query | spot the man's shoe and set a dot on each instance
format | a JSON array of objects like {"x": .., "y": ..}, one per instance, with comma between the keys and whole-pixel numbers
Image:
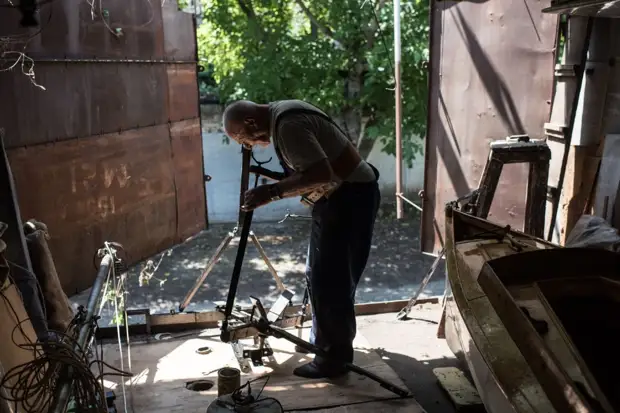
[
  {"x": 301, "y": 350},
  {"x": 313, "y": 370}
]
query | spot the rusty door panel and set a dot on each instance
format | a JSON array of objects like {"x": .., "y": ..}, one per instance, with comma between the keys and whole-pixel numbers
[
  {"x": 95, "y": 155},
  {"x": 182, "y": 92},
  {"x": 498, "y": 57},
  {"x": 112, "y": 187},
  {"x": 8, "y": 113},
  {"x": 88, "y": 99},
  {"x": 71, "y": 31},
  {"x": 188, "y": 175},
  {"x": 179, "y": 33}
]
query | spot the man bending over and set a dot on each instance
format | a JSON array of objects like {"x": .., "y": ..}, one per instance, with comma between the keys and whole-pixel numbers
[{"x": 320, "y": 162}]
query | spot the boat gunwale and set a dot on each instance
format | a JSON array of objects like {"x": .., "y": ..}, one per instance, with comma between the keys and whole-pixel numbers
[{"x": 463, "y": 307}]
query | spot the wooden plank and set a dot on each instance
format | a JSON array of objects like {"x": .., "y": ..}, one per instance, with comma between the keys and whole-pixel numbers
[
  {"x": 162, "y": 370},
  {"x": 167, "y": 323},
  {"x": 188, "y": 177},
  {"x": 608, "y": 178},
  {"x": 116, "y": 187},
  {"x": 461, "y": 392}
]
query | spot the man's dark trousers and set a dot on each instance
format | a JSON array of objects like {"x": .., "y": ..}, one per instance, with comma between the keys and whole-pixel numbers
[{"x": 340, "y": 241}]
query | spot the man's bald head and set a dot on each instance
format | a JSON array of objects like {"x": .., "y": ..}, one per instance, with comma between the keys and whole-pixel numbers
[
  {"x": 236, "y": 114},
  {"x": 247, "y": 122}
]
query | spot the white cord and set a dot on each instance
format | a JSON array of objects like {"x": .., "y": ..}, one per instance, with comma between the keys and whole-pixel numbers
[{"x": 118, "y": 327}]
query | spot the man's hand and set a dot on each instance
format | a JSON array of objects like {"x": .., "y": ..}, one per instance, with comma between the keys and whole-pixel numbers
[{"x": 257, "y": 197}]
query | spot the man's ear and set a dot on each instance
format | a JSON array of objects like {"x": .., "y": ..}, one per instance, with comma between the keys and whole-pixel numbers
[{"x": 250, "y": 121}]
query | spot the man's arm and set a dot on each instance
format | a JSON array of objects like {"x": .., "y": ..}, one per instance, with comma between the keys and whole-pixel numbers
[
  {"x": 316, "y": 176},
  {"x": 312, "y": 168},
  {"x": 274, "y": 176}
]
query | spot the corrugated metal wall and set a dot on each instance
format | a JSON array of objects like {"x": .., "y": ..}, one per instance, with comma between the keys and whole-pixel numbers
[
  {"x": 491, "y": 76},
  {"x": 112, "y": 149}
]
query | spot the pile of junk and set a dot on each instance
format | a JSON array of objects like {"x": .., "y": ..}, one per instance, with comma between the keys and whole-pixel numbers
[{"x": 47, "y": 363}]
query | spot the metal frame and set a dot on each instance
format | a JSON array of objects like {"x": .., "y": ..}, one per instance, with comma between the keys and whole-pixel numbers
[
  {"x": 245, "y": 181},
  {"x": 86, "y": 332}
]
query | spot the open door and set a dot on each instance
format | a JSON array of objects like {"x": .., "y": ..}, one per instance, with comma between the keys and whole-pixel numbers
[{"x": 492, "y": 74}]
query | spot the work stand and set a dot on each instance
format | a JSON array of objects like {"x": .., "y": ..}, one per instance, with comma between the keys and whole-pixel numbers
[
  {"x": 247, "y": 154},
  {"x": 513, "y": 149},
  {"x": 260, "y": 323},
  {"x": 261, "y": 349}
]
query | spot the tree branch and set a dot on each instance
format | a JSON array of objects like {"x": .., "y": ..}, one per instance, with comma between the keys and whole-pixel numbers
[
  {"x": 247, "y": 8},
  {"x": 322, "y": 27},
  {"x": 374, "y": 24}
]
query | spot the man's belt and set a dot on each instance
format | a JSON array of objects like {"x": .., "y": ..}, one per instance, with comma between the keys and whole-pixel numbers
[{"x": 311, "y": 198}]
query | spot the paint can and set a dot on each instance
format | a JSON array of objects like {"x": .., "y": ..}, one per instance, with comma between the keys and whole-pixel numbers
[{"x": 228, "y": 380}]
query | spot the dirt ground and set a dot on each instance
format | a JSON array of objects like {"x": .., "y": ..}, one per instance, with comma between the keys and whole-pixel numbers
[{"x": 394, "y": 271}]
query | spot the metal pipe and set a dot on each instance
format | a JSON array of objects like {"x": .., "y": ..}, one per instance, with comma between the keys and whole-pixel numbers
[
  {"x": 210, "y": 265},
  {"x": 86, "y": 331},
  {"x": 416, "y": 206},
  {"x": 398, "y": 132}
]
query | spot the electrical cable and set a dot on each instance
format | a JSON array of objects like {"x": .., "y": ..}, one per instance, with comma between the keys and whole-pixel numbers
[
  {"x": 34, "y": 384},
  {"x": 247, "y": 401}
]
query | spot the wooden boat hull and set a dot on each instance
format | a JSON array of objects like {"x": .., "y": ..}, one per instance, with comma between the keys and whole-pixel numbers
[{"x": 496, "y": 302}]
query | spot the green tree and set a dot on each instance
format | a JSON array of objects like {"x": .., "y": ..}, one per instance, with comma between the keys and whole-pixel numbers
[{"x": 336, "y": 54}]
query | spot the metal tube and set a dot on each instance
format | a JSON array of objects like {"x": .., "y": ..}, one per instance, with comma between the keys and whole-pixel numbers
[
  {"x": 416, "y": 206},
  {"x": 234, "y": 281},
  {"x": 272, "y": 270},
  {"x": 398, "y": 132},
  {"x": 210, "y": 265},
  {"x": 61, "y": 401}
]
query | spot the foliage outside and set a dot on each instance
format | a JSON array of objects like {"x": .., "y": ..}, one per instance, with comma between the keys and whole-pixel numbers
[{"x": 336, "y": 54}]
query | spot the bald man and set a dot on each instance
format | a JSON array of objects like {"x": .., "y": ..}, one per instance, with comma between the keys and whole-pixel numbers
[{"x": 320, "y": 162}]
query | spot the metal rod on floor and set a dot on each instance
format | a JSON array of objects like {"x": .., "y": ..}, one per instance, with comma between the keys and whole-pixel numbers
[
  {"x": 413, "y": 301},
  {"x": 416, "y": 206},
  {"x": 86, "y": 331}
]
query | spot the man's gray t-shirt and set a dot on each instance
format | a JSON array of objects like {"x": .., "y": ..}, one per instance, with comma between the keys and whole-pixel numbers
[{"x": 304, "y": 139}]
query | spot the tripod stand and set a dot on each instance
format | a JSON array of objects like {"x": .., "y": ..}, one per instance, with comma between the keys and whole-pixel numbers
[
  {"x": 227, "y": 240},
  {"x": 262, "y": 324}
]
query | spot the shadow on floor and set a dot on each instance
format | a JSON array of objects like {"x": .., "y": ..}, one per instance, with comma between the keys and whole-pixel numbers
[{"x": 394, "y": 271}]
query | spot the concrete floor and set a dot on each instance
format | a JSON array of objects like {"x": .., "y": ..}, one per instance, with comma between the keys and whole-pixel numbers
[{"x": 411, "y": 348}]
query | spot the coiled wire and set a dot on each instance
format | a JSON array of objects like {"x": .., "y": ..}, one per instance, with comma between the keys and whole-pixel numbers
[{"x": 34, "y": 384}]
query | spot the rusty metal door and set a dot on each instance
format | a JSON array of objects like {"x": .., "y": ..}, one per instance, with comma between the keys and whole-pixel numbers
[
  {"x": 491, "y": 76},
  {"x": 111, "y": 150}
]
